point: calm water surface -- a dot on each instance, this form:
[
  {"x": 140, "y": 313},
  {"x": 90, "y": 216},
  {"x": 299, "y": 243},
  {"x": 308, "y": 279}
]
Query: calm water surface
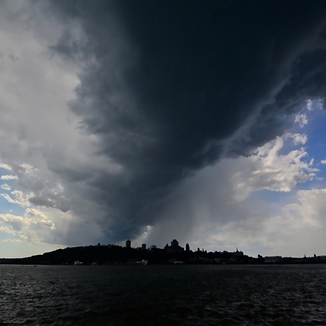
[{"x": 163, "y": 295}]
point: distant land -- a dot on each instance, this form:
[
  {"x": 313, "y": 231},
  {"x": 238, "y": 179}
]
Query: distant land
[{"x": 174, "y": 254}]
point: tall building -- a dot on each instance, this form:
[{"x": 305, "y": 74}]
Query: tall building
[{"x": 128, "y": 244}]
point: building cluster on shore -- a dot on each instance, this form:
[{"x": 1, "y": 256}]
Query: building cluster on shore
[{"x": 170, "y": 254}]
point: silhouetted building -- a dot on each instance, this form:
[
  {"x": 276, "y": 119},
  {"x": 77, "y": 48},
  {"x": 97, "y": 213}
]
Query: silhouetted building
[
  {"x": 174, "y": 248},
  {"x": 128, "y": 244},
  {"x": 143, "y": 246},
  {"x": 112, "y": 245},
  {"x": 187, "y": 247}
]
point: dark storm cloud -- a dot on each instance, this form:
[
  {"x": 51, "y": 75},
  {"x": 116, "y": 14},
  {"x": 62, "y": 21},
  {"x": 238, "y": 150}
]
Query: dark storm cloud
[{"x": 170, "y": 87}]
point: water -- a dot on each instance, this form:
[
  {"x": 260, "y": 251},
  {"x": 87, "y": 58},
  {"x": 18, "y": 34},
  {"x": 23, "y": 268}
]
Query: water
[{"x": 163, "y": 295}]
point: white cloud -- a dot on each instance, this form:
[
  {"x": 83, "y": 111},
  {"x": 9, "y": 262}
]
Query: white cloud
[
  {"x": 323, "y": 161},
  {"x": 5, "y": 166},
  {"x": 301, "y": 119},
  {"x": 8, "y": 198},
  {"x": 7, "y": 230},
  {"x": 8, "y": 177},
  {"x": 5, "y": 186},
  {"x": 32, "y": 226},
  {"x": 271, "y": 171},
  {"x": 16, "y": 222},
  {"x": 19, "y": 198},
  {"x": 298, "y": 138}
]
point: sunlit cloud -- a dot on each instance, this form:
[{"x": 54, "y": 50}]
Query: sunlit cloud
[
  {"x": 28, "y": 227},
  {"x": 299, "y": 138}
]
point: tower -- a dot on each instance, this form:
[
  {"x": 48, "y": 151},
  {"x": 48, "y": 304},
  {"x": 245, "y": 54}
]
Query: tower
[{"x": 128, "y": 243}]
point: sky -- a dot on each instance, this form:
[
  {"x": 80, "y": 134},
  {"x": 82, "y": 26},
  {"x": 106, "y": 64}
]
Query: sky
[{"x": 149, "y": 121}]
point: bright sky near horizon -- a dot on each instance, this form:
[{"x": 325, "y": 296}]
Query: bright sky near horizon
[{"x": 107, "y": 134}]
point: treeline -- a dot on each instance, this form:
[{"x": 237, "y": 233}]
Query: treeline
[{"x": 102, "y": 255}]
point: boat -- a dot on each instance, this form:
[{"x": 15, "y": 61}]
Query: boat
[{"x": 77, "y": 262}]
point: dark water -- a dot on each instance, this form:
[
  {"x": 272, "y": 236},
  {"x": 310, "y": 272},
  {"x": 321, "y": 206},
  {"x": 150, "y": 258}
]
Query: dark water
[{"x": 163, "y": 295}]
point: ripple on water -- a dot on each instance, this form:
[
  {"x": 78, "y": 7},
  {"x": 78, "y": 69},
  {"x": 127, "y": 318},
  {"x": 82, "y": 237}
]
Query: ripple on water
[{"x": 163, "y": 295}]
